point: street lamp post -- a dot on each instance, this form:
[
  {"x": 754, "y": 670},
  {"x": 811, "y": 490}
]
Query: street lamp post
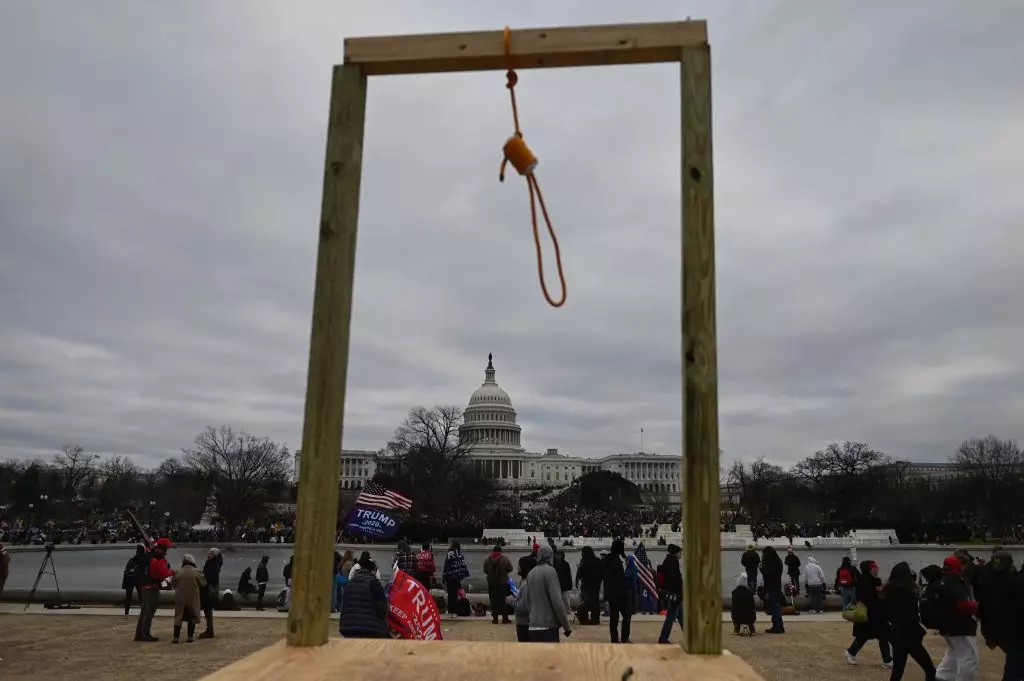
[
  {"x": 167, "y": 520},
  {"x": 152, "y": 507},
  {"x": 31, "y": 507}
]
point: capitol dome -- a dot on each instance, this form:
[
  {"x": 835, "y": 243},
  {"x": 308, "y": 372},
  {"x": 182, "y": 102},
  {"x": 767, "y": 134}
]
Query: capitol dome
[{"x": 489, "y": 422}]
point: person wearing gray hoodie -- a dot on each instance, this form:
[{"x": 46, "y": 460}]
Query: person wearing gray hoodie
[
  {"x": 542, "y": 594},
  {"x": 814, "y": 580}
]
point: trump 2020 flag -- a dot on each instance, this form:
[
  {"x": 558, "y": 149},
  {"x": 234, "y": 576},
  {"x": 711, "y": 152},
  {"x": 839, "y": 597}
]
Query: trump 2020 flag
[
  {"x": 372, "y": 522},
  {"x": 513, "y": 589},
  {"x": 412, "y": 611}
]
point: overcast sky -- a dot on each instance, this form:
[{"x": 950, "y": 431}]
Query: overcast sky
[{"x": 160, "y": 178}]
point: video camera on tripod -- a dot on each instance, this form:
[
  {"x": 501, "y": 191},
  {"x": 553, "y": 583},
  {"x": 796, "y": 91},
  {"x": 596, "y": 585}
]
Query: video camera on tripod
[{"x": 60, "y": 603}]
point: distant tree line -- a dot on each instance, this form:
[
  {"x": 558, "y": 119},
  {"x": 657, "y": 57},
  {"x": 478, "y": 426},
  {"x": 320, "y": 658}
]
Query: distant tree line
[
  {"x": 244, "y": 471},
  {"x": 852, "y": 484}
]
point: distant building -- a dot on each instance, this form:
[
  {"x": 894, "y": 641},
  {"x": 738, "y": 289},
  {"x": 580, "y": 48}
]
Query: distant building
[
  {"x": 358, "y": 466},
  {"x": 489, "y": 427}
]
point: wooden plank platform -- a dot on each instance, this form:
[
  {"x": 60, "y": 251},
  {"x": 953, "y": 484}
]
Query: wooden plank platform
[{"x": 376, "y": 659}]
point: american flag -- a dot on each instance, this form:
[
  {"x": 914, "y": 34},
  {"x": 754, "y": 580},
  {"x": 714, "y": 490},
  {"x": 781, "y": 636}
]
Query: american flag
[
  {"x": 643, "y": 569},
  {"x": 375, "y": 495}
]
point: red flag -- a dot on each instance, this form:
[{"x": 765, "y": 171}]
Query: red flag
[{"x": 412, "y": 610}]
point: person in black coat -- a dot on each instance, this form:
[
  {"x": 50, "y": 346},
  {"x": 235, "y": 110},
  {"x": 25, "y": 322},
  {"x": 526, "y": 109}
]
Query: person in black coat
[
  {"x": 129, "y": 582},
  {"x": 208, "y": 595},
  {"x": 750, "y": 562},
  {"x": 999, "y": 590},
  {"x": 869, "y": 592},
  {"x": 793, "y": 568},
  {"x": 671, "y": 592},
  {"x": 771, "y": 570},
  {"x": 900, "y": 596},
  {"x": 617, "y": 592},
  {"x": 588, "y": 581}
]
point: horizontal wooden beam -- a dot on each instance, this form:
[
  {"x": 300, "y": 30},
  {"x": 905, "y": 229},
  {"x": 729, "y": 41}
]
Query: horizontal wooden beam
[
  {"x": 469, "y": 661},
  {"x": 532, "y": 48}
]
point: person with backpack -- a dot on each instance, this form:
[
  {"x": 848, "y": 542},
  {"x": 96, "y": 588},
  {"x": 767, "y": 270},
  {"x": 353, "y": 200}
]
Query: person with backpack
[
  {"x": 956, "y": 623},
  {"x": 425, "y": 567},
  {"x": 131, "y": 581},
  {"x": 900, "y": 596},
  {"x": 846, "y": 582},
  {"x": 876, "y": 626},
  {"x": 150, "y": 582}
]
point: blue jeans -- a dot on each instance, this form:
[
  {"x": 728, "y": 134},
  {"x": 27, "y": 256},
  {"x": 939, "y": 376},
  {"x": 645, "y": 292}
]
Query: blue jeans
[
  {"x": 675, "y": 613},
  {"x": 848, "y": 594},
  {"x": 775, "y": 609}
]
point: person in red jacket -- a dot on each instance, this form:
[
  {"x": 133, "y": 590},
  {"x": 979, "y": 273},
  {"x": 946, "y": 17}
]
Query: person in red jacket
[{"x": 159, "y": 570}]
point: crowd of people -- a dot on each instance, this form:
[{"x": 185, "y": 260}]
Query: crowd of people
[{"x": 952, "y": 600}]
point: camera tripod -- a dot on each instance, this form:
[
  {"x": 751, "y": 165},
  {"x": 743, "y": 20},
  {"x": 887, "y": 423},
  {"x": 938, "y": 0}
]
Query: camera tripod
[{"x": 59, "y": 604}]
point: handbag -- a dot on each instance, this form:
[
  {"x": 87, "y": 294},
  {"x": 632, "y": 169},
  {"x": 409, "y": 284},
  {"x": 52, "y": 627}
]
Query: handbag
[{"x": 857, "y": 613}]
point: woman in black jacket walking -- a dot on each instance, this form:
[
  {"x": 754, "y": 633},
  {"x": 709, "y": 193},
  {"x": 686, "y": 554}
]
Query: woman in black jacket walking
[
  {"x": 869, "y": 592},
  {"x": 900, "y": 596}
]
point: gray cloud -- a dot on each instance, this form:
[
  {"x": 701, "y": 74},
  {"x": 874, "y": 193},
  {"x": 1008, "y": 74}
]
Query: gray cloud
[{"x": 160, "y": 182}]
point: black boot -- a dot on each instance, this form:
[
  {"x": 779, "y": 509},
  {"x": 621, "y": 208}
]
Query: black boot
[{"x": 177, "y": 634}]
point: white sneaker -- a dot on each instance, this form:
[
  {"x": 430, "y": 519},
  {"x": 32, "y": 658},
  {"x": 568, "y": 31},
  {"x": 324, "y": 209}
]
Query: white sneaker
[
  {"x": 850, "y": 659},
  {"x": 887, "y": 665}
]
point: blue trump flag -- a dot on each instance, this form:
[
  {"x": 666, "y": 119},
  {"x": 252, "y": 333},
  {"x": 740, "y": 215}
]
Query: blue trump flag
[{"x": 372, "y": 522}]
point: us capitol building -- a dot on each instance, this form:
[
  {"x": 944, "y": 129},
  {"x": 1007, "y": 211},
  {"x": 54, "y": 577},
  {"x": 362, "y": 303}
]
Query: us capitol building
[{"x": 489, "y": 426}]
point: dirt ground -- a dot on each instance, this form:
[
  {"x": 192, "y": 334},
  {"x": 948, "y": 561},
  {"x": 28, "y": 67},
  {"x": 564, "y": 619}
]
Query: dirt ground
[{"x": 38, "y": 647}]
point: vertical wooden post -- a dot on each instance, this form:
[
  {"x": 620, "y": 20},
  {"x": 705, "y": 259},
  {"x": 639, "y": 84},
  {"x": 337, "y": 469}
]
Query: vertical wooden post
[
  {"x": 328, "y": 361},
  {"x": 701, "y": 530}
]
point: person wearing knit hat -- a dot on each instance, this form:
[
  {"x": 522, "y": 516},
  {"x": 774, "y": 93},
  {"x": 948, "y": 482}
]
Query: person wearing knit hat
[
  {"x": 188, "y": 583},
  {"x": 958, "y": 624}
]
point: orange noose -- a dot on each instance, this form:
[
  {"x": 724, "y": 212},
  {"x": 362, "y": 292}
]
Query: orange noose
[{"x": 522, "y": 159}]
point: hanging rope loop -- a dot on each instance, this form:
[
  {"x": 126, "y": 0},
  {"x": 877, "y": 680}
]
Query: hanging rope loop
[{"x": 517, "y": 154}]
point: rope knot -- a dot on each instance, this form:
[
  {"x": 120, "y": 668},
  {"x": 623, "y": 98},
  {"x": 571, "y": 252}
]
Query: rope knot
[{"x": 523, "y": 160}]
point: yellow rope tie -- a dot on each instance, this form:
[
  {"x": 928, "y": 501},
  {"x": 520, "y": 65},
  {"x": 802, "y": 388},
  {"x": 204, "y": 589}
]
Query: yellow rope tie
[{"x": 522, "y": 159}]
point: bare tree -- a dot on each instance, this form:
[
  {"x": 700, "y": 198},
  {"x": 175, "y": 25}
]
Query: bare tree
[
  {"x": 758, "y": 486},
  {"x": 435, "y": 430},
  {"x": 74, "y": 466},
  {"x": 243, "y": 469},
  {"x": 118, "y": 480},
  {"x": 994, "y": 471},
  {"x": 844, "y": 472},
  {"x": 427, "y": 458}
]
